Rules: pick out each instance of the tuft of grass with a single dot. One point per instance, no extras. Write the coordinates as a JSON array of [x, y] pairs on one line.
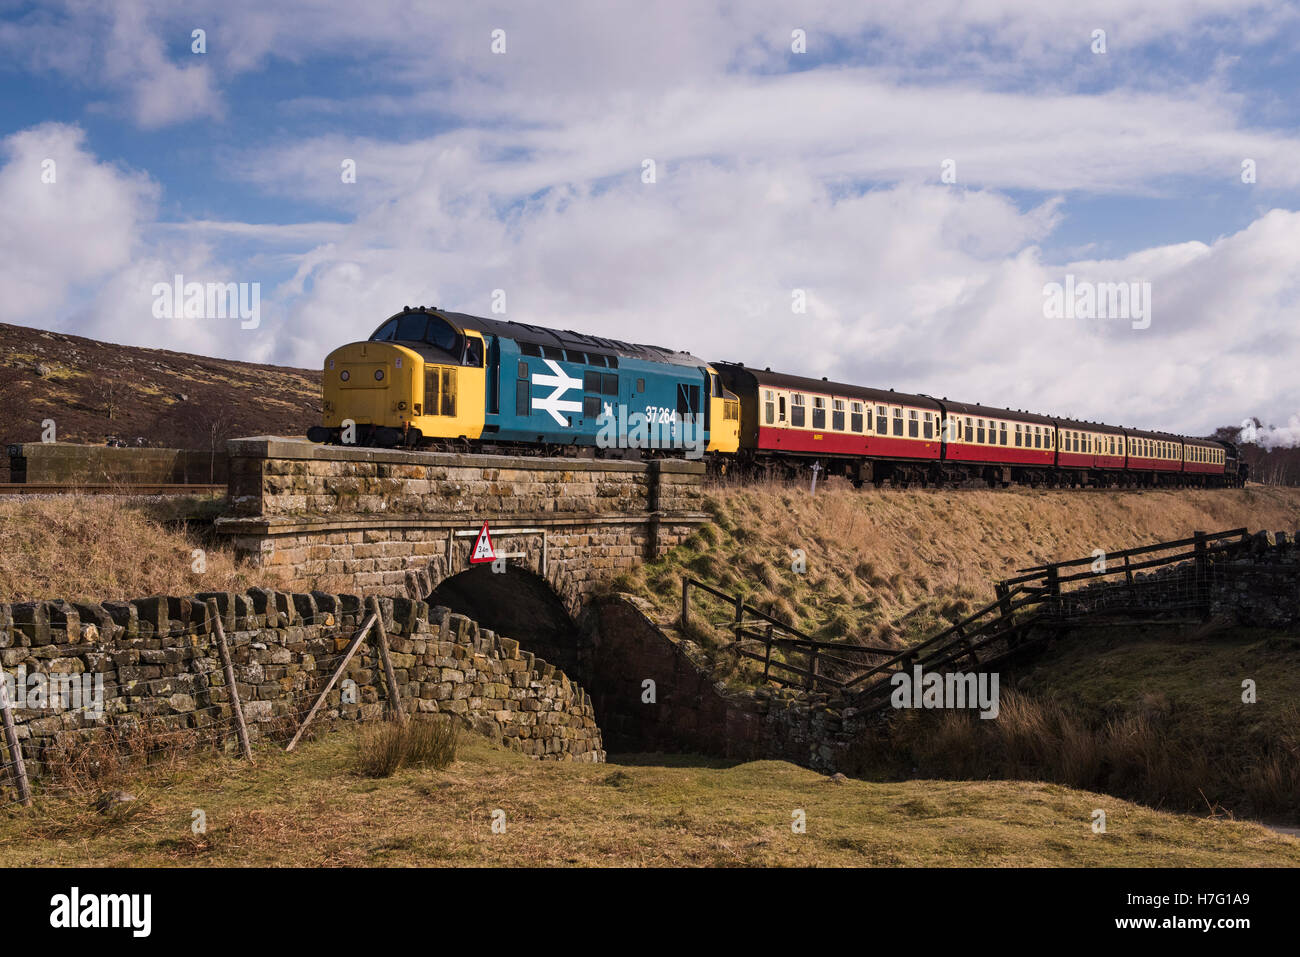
[[387, 746]]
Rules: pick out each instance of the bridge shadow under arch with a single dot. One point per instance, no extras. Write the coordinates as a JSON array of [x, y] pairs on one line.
[[518, 604]]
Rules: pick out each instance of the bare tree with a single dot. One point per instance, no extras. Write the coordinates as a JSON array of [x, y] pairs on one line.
[[111, 392]]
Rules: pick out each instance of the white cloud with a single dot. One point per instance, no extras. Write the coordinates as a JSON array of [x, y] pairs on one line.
[[160, 91], [57, 237]]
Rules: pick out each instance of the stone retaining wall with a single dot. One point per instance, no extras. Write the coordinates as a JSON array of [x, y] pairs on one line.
[[622, 649], [158, 658]]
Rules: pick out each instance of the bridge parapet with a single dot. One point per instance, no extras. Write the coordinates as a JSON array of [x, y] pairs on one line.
[[400, 522]]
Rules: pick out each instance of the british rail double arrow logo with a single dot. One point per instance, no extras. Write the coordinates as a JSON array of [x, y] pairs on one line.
[[563, 382]]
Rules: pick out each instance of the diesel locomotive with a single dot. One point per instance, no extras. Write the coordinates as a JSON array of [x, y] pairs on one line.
[[430, 378]]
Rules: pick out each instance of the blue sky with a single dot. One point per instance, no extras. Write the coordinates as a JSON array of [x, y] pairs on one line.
[[776, 171]]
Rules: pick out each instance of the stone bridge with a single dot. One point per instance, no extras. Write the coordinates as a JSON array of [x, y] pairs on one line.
[[403, 523]]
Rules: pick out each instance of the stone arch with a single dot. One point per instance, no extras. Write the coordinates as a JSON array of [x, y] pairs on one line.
[[520, 604], [422, 582]]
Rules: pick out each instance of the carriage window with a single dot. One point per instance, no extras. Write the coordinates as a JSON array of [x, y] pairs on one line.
[[530, 349], [837, 415], [898, 421], [769, 407], [855, 417], [609, 386], [796, 410], [819, 412], [882, 420], [1038, 437], [1017, 435], [591, 381], [979, 431], [970, 429], [1002, 428], [929, 425], [913, 424], [591, 407], [552, 352]]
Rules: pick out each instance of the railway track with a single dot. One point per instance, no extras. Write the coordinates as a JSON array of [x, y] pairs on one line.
[[118, 488]]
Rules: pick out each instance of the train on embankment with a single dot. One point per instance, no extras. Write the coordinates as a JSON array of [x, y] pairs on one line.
[[429, 378]]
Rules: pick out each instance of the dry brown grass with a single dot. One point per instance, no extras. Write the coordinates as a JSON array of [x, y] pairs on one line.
[[305, 809], [97, 548], [892, 566], [384, 747], [1155, 719]]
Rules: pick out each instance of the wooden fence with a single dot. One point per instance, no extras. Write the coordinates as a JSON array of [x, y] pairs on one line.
[[1038, 596]]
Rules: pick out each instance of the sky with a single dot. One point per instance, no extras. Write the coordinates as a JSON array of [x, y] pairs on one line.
[[882, 193]]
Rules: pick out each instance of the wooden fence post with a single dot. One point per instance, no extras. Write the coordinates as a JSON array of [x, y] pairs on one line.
[[767, 657], [352, 650], [1054, 587], [1202, 583], [390, 677], [236, 708], [19, 772], [740, 618]]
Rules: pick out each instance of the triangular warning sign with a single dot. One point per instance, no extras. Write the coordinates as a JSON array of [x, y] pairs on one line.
[[482, 551]]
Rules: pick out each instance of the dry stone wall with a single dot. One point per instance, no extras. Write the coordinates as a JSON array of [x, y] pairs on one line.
[[158, 660]]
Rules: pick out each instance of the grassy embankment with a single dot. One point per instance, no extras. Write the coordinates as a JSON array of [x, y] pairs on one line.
[[312, 808], [891, 567], [102, 548]]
